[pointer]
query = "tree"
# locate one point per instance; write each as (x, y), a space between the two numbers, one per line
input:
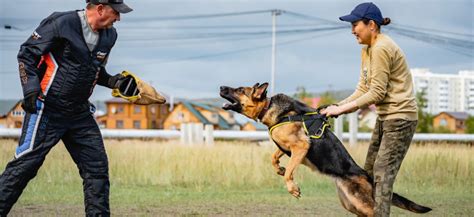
(327, 98)
(425, 120)
(470, 125)
(301, 93)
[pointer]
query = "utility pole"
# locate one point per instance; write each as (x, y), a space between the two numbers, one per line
(275, 13)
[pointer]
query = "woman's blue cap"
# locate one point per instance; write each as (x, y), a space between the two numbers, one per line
(366, 10)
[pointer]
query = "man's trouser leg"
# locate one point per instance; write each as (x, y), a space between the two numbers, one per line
(396, 139)
(84, 143)
(38, 136)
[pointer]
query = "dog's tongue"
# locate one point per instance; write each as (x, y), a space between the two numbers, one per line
(226, 106)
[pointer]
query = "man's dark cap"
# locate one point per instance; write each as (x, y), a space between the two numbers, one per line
(117, 5)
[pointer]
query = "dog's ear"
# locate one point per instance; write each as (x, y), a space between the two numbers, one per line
(255, 86)
(260, 91)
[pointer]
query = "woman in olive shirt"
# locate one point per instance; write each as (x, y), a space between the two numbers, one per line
(385, 80)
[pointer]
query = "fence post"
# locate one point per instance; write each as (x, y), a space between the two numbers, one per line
(197, 129)
(339, 126)
(209, 135)
(189, 134)
(183, 134)
(353, 125)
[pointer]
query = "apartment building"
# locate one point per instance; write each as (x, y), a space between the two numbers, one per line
(446, 92)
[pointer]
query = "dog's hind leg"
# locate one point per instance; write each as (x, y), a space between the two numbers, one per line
(310, 165)
(276, 162)
(355, 194)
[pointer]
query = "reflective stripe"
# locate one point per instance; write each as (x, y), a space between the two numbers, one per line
(31, 130)
(323, 128)
(318, 135)
(51, 69)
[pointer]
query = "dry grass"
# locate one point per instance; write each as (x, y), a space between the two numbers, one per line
(231, 164)
(145, 173)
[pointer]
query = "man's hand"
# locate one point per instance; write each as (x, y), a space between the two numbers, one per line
(116, 80)
(29, 102)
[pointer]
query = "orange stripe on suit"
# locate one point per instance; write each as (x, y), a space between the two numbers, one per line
(50, 69)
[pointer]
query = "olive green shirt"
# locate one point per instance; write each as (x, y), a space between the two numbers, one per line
(385, 80)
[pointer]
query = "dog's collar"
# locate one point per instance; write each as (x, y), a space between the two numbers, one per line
(264, 110)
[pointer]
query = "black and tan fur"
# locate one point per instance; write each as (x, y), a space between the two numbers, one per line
(326, 155)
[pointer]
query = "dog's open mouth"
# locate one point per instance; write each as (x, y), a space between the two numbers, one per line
(233, 103)
(229, 106)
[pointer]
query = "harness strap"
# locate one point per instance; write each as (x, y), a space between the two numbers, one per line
(314, 124)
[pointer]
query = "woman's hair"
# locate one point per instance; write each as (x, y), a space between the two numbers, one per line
(385, 22)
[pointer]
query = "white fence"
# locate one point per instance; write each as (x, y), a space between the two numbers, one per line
(210, 135)
(196, 133)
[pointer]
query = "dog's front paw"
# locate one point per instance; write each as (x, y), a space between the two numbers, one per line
(281, 171)
(294, 190)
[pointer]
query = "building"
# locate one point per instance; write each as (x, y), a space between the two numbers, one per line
(194, 112)
(11, 114)
(121, 114)
(446, 92)
(311, 101)
(453, 121)
(254, 126)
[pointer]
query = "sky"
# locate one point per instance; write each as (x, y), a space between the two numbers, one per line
(191, 58)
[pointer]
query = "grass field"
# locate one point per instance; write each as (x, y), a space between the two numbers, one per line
(154, 178)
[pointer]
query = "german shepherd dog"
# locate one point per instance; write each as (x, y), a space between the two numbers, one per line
(326, 154)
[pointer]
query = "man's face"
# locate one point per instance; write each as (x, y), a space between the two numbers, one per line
(107, 16)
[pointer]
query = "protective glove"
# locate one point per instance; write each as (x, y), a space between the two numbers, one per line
(116, 80)
(29, 102)
(131, 88)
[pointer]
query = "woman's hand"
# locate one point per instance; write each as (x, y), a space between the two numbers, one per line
(332, 110)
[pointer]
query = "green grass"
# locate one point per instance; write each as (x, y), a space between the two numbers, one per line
(150, 178)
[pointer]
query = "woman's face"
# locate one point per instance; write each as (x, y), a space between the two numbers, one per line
(362, 31)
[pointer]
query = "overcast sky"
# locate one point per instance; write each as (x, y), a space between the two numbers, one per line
(179, 58)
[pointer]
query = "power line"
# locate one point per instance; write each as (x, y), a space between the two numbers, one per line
(198, 16)
(460, 46)
(191, 27)
(401, 26)
(232, 51)
(307, 17)
(431, 36)
(233, 34)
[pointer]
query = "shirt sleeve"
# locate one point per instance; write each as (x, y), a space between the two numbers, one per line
(380, 71)
(104, 77)
(43, 39)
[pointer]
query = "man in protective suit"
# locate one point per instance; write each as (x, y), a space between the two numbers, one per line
(59, 66)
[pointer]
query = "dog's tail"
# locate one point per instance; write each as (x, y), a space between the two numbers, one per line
(407, 204)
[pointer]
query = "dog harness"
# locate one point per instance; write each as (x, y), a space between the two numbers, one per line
(314, 125)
